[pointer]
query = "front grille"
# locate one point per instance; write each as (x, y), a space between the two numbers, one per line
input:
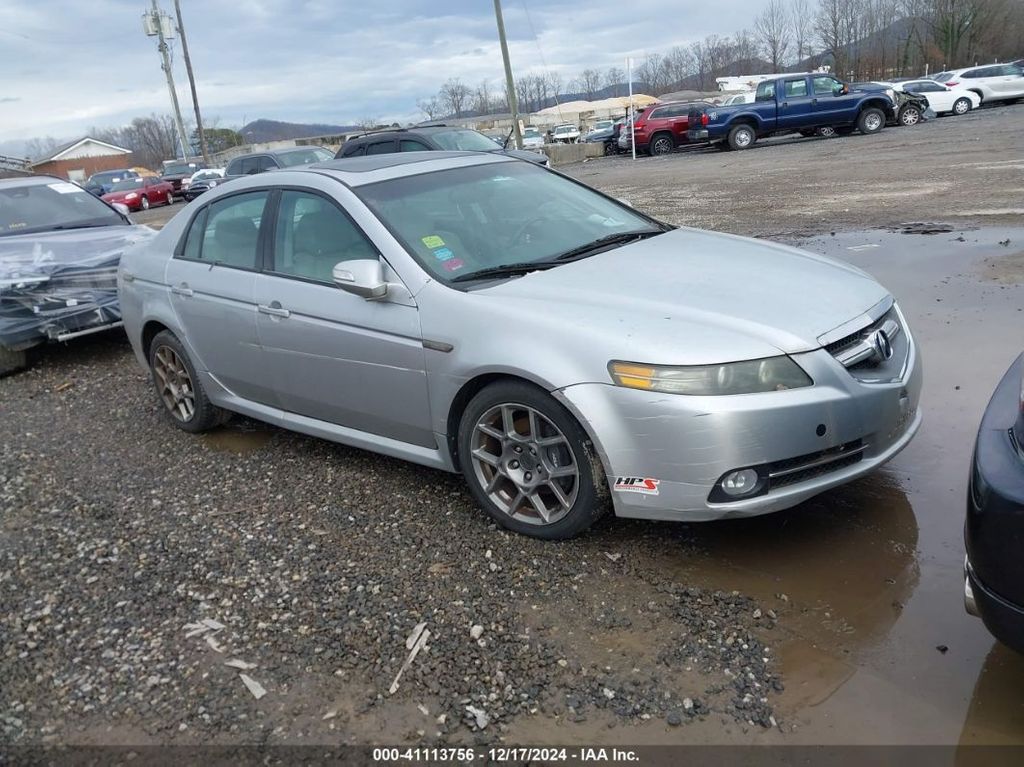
(837, 347)
(813, 465)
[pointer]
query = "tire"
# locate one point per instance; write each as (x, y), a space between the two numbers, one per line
(962, 106)
(513, 477)
(144, 202)
(170, 198)
(742, 136)
(826, 131)
(608, 149)
(807, 132)
(179, 390)
(910, 115)
(871, 120)
(661, 143)
(11, 361)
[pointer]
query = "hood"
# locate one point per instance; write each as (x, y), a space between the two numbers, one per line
(695, 297)
(522, 154)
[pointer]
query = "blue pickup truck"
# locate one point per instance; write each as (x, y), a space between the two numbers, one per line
(793, 102)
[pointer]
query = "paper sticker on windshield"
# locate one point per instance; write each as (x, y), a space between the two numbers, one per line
(433, 241)
(453, 264)
(443, 254)
(63, 187)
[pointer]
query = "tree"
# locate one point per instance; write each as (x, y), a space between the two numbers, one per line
(829, 24)
(771, 28)
(431, 108)
(38, 148)
(678, 65)
(482, 98)
(454, 95)
(589, 83)
(219, 139)
(802, 23)
(613, 79)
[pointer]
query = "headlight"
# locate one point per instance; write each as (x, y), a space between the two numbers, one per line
(749, 377)
(212, 184)
(131, 196)
(891, 94)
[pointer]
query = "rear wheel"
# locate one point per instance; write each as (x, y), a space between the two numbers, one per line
(826, 131)
(528, 462)
(178, 387)
(962, 106)
(661, 144)
(12, 361)
(871, 120)
(910, 114)
(742, 137)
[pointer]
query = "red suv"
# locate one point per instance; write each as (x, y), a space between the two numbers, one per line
(662, 128)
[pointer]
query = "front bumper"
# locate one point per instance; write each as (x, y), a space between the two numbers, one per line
(816, 438)
(994, 529)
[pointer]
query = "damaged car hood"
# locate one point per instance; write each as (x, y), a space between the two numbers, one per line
(692, 297)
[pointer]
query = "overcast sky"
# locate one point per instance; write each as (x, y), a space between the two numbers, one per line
(70, 64)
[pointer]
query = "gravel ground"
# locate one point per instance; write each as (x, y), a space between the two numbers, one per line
(119, 532)
(319, 561)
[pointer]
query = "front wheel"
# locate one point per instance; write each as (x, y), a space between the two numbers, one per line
(871, 120)
(910, 115)
(178, 387)
(170, 198)
(826, 131)
(144, 203)
(528, 463)
(742, 137)
(961, 106)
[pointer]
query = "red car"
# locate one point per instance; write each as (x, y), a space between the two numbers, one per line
(662, 128)
(140, 193)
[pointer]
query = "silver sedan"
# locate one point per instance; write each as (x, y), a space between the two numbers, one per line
(564, 352)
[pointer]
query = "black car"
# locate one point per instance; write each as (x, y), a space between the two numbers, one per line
(443, 138)
(99, 183)
(176, 172)
(203, 182)
(607, 136)
(258, 162)
(994, 532)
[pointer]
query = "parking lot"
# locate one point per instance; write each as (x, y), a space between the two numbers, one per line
(318, 560)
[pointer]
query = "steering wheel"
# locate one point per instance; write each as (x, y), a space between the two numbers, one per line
(522, 231)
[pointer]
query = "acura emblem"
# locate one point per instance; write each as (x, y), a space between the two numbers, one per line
(882, 348)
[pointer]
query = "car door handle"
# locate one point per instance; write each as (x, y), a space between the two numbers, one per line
(814, 102)
(128, 277)
(273, 311)
(785, 104)
(182, 290)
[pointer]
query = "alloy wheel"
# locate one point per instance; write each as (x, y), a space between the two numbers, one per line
(744, 138)
(662, 145)
(962, 106)
(873, 122)
(174, 384)
(145, 203)
(524, 464)
(911, 116)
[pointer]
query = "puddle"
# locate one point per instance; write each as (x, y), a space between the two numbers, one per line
(241, 439)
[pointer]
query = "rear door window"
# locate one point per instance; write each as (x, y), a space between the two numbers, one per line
(381, 147)
(231, 230)
(795, 88)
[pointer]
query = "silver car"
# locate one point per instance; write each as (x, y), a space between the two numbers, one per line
(483, 315)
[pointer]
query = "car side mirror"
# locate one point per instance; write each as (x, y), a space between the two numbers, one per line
(121, 208)
(363, 277)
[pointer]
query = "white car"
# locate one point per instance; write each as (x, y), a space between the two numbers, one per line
(995, 82)
(942, 98)
(532, 139)
(600, 125)
(567, 133)
(739, 98)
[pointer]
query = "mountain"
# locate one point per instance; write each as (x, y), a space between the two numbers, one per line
(261, 130)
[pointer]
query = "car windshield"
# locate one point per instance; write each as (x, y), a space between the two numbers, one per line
(128, 183)
(46, 207)
(176, 169)
(942, 76)
(531, 133)
(303, 157)
(461, 221)
(463, 141)
(205, 176)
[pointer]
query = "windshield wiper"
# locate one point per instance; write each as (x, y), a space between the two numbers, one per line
(505, 270)
(60, 227)
(619, 238)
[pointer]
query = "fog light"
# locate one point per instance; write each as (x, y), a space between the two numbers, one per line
(738, 483)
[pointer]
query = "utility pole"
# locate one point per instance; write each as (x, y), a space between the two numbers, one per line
(192, 84)
(509, 82)
(153, 23)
